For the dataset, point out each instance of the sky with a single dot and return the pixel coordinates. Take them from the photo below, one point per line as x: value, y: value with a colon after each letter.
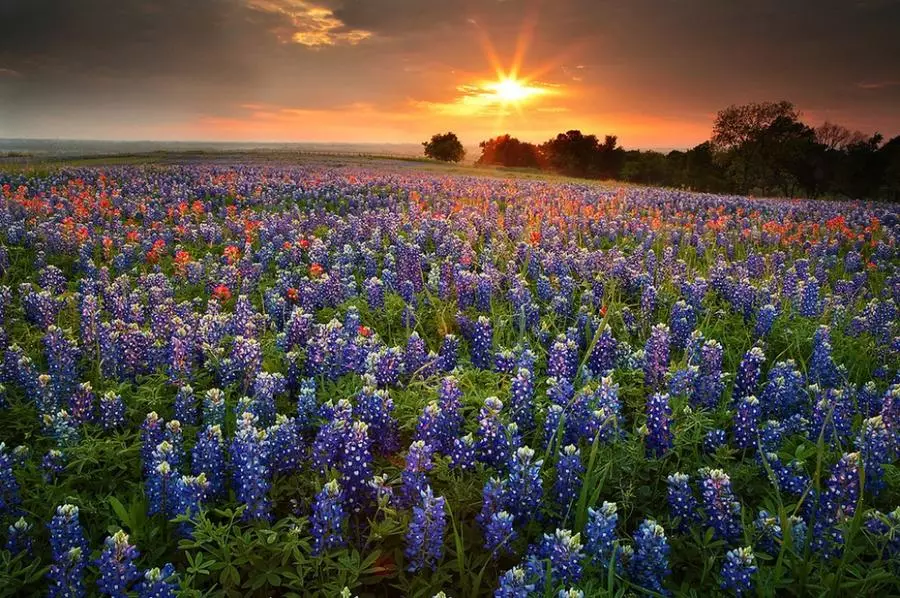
x: 652, y: 72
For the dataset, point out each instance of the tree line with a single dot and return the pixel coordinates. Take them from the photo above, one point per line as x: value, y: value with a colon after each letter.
x: 754, y: 149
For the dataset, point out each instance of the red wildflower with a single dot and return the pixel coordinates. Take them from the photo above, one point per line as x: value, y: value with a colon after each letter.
x: 293, y: 294
x: 222, y: 293
x: 316, y: 270
x: 364, y: 330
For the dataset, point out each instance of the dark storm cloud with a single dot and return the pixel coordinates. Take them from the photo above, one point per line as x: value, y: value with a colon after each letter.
x: 113, y: 60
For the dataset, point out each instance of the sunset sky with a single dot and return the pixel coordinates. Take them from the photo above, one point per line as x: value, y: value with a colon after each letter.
x: 653, y: 72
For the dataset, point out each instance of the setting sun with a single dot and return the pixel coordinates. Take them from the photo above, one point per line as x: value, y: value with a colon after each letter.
x: 509, y: 90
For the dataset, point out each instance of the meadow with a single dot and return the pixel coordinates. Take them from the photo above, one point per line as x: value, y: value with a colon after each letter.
x: 338, y: 378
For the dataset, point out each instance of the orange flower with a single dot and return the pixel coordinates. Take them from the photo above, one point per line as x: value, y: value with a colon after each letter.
x: 316, y: 270
x: 304, y: 243
x: 364, y: 330
x: 535, y: 237
x: 231, y: 253
x: 222, y: 293
x: 293, y: 294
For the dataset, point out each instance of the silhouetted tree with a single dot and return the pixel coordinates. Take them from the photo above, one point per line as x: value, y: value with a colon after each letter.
x: 837, y: 137
x: 576, y: 154
x: 509, y: 151
x: 445, y: 147
x: 740, y: 142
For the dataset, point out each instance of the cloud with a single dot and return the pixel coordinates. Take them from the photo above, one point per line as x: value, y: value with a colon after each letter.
x: 493, y: 98
x: 878, y: 84
x: 9, y: 73
x: 310, y: 24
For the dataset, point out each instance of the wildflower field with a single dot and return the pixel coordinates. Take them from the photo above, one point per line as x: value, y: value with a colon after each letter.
x: 307, y: 380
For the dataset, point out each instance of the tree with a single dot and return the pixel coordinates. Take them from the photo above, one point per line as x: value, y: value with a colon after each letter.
x: 740, y: 143
x: 509, y: 151
x: 576, y: 154
x: 837, y: 137
x: 445, y: 147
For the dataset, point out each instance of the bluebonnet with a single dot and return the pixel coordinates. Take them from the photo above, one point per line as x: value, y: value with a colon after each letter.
x: 112, y: 411
x: 448, y: 355
x: 553, y: 420
x: 307, y: 405
x: 9, y: 487
x: 208, y: 458
x: 656, y: 356
x: 250, y: 470
x: 564, y: 551
x: 53, y: 464
x: 721, y: 508
x: 429, y: 428
x: 425, y: 536
x: 822, y: 369
x: 159, y: 479
x: 69, y: 550
x: 499, y: 533
x: 737, y: 571
x: 18, y: 539
x: 117, y: 569
x: 518, y: 582
x: 481, y: 343
x: 415, y: 475
x: 158, y: 583
x: 328, y: 517
x: 836, y: 504
x: 765, y: 318
x: 649, y: 565
x: 523, y: 491
x: 747, y: 381
x: 569, y: 473
x: 873, y: 444
x: 659, y: 437
x: 832, y: 414
x: 783, y: 393
x: 746, y: 422
x: 328, y: 445
x: 492, y: 500
x: 600, y: 533
x: 356, y: 467
x: 188, y: 496
x: 462, y: 455
x: 81, y: 403
x: 62, y: 427
x: 214, y: 407
x: 522, y: 399
x: 492, y: 446
x: 714, y: 439
x: 286, y: 447
x: 682, y: 504
x: 681, y: 323
x: 602, y: 357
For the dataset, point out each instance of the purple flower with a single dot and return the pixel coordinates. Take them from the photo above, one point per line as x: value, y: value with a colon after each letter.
x: 356, y: 467
x: 721, y: 508
x: 492, y: 446
x: 600, y: 533
x: 523, y: 491
x: 208, y: 458
x: 564, y: 551
x: 425, y: 536
x: 481, y: 343
x: 656, y: 356
x: 499, y: 533
x: 682, y: 504
x: 328, y: 517
x: 659, y: 437
x: 746, y: 422
x: 19, y: 538
x: 116, y: 564
x: 747, y: 380
x: 569, y: 472
x: 649, y: 565
x: 738, y: 570
x: 250, y: 469
x: 158, y: 583
x: 112, y: 411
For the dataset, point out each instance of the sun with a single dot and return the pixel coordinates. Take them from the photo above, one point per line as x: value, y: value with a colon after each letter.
x: 508, y: 90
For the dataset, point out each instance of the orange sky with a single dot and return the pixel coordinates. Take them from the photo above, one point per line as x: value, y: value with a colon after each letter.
x: 653, y: 73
